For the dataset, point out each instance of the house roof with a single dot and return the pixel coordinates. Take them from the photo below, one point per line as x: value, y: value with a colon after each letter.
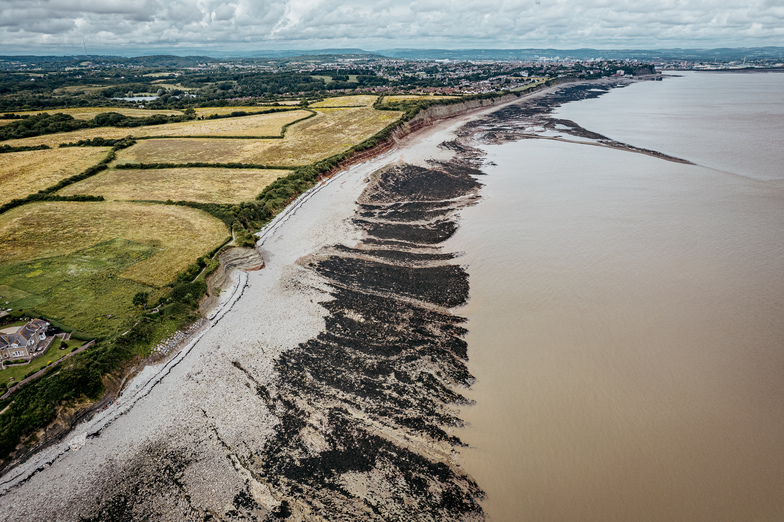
x: 27, y: 332
x: 8, y: 339
x: 39, y: 323
x: 24, y: 334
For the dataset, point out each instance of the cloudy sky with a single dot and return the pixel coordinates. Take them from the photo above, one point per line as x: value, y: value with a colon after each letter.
x: 188, y: 26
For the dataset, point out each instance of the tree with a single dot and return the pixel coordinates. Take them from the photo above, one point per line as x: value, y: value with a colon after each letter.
x: 140, y: 299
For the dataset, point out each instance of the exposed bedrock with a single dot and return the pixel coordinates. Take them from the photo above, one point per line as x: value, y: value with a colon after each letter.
x: 533, y: 119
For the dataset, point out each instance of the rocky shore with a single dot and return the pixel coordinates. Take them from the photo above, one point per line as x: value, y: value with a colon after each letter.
x: 367, y: 405
x: 534, y: 119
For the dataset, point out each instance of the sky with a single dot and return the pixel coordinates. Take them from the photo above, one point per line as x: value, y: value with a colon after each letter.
x: 65, y: 27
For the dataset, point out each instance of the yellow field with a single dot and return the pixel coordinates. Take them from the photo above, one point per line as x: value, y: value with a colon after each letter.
x: 197, y: 184
x: 331, y: 131
x: 255, y: 125
x: 54, y: 140
x: 23, y: 173
x: 6, y: 122
x: 194, y: 150
x: 360, y: 100
x: 88, y: 113
x: 208, y: 111
x: 59, y: 228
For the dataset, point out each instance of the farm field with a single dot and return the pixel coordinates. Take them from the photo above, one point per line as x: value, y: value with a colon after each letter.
x: 88, y: 113
x: 330, y: 132
x: 23, y: 173
x: 85, y: 261
x: 222, y: 111
x: 360, y: 100
x: 198, y: 150
x: 254, y: 125
x: 54, y: 140
x: 178, y: 235
x: 203, y: 185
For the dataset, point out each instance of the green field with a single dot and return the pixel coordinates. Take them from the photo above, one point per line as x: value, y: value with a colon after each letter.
x: 80, y: 289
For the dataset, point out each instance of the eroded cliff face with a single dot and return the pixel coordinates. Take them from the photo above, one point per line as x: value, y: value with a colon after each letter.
x: 234, y: 258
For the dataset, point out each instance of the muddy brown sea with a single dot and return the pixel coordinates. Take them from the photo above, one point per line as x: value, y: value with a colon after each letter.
x: 626, y: 313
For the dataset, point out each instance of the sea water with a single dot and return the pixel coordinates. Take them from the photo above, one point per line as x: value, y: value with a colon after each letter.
x: 626, y: 319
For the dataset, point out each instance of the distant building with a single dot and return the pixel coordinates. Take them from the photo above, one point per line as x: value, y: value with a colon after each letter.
x: 25, y: 341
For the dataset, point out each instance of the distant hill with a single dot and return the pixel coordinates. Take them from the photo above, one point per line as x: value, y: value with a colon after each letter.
x: 722, y: 54
x: 164, y: 60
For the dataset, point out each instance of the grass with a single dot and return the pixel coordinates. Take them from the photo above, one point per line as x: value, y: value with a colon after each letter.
x: 203, y: 185
x: 184, y: 150
x: 164, y: 85
x: 255, y: 125
x: 222, y: 111
x: 82, y: 288
x: 54, y: 353
x: 23, y: 173
x: 178, y: 235
x: 330, y: 132
x: 88, y: 113
x: 86, y: 89
x: 6, y: 122
x: 10, y: 297
x: 360, y: 100
x: 537, y: 82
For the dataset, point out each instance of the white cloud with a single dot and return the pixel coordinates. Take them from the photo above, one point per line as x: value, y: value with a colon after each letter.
x: 45, y: 25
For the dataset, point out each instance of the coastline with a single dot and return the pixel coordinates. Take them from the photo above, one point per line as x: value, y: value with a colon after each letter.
x: 286, y: 302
